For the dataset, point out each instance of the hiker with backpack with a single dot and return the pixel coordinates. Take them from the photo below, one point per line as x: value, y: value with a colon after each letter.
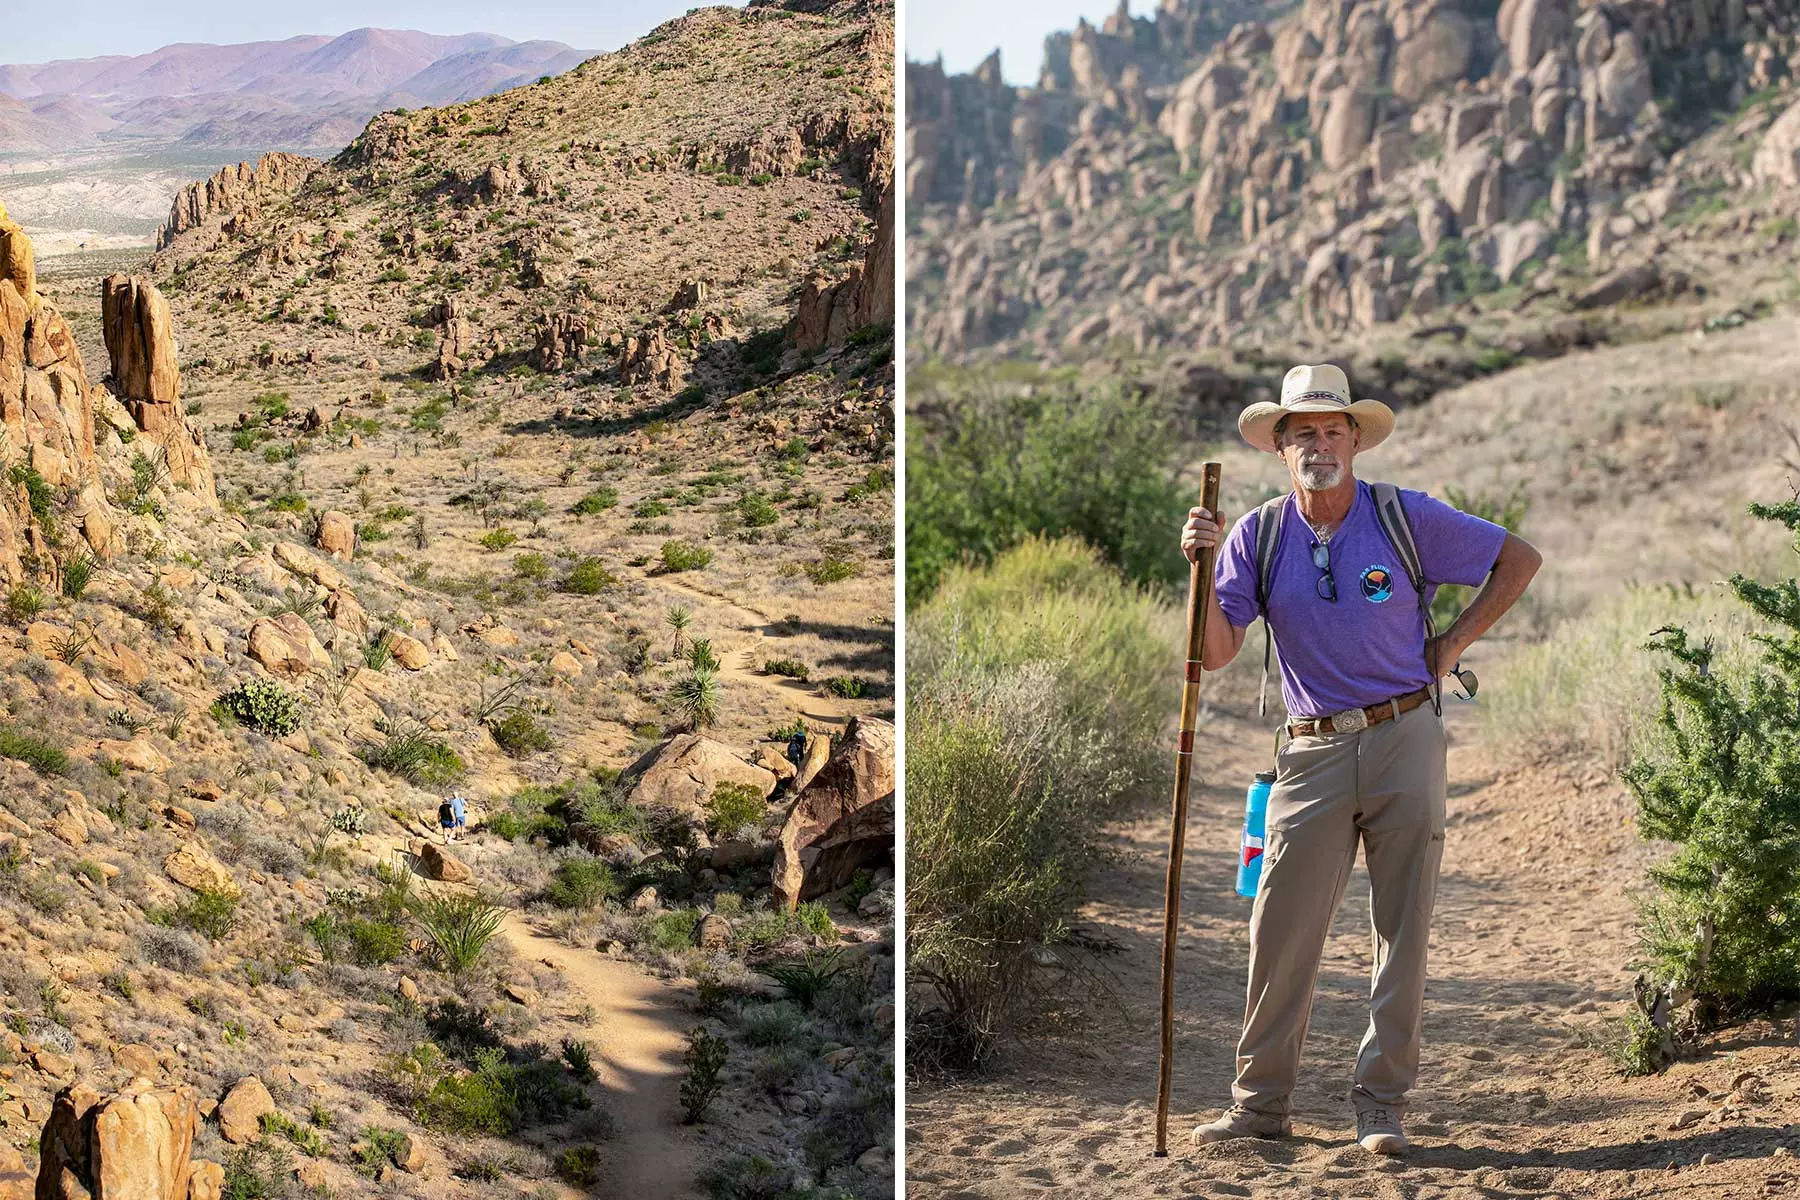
x: 1343, y: 572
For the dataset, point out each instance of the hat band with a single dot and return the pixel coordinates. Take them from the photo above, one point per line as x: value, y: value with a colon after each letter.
x: 1341, y: 401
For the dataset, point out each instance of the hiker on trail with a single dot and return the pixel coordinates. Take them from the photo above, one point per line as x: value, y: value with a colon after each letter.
x: 447, y: 820
x: 1363, y: 757
x: 459, y: 810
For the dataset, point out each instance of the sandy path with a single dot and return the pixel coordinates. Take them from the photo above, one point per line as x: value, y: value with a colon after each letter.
x: 640, y: 1035
x: 1532, y: 929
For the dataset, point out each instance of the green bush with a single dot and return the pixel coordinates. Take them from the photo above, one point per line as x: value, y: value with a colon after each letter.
x: 579, y: 1165
x: 832, y: 568
x: 757, y: 510
x: 735, y: 807
x: 849, y: 687
x: 519, y: 735
x: 264, y: 706
x: 24, y: 603
x: 498, y: 539
x: 1720, y: 929
x: 36, y: 753
x: 1035, y: 693
x: 792, y: 668
x: 258, y: 1171
x: 581, y: 881
x: 589, y: 577
x: 596, y: 501
x: 705, y: 1061
x: 681, y: 555
x: 77, y: 572
x: 695, y: 697
x: 413, y: 752
x: 212, y: 914
x: 1102, y: 466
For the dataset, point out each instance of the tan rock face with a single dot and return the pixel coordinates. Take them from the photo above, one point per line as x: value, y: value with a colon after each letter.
x: 206, y: 1181
x: 242, y: 1110
x: 442, y: 865
x: 336, y: 535
x: 843, y: 820
x: 410, y: 652
x: 235, y: 192
x: 133, y: 1144
x: 1778, y: 157
x: 683, y: 771
x: 140, y: 340
x: 287, y: 646
x: 193, y: 866
x: 135, y: 755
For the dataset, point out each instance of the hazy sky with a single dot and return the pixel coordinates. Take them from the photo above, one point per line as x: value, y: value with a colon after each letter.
x: 89, y: 28
x: 966, y: 31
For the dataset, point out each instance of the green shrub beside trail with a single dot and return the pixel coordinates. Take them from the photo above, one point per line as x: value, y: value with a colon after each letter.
x: 1037, y: 690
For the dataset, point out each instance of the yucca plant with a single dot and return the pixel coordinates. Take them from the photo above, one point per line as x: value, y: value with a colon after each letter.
x: 678, y: 618
x: 459, y: 925
x: 804, y: 980
x: 700, y: 654
x: 695, y: 697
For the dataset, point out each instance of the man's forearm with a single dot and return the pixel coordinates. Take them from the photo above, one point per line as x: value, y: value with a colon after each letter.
x: 1513, y: 571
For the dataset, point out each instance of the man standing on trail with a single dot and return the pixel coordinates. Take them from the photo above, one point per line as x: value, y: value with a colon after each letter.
x: 1364, y: 756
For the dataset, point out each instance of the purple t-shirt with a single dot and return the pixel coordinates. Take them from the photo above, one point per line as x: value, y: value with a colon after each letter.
x: 1370, y: 643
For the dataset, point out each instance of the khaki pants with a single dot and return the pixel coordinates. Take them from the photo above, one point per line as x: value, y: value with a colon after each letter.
x: 1385, y: 787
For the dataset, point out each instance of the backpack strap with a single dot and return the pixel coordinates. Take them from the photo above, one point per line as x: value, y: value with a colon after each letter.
x: 1392, y: 515
x: 1269, y: 519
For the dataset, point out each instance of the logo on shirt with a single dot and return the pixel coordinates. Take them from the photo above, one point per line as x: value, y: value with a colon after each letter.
x: 1377, y: 583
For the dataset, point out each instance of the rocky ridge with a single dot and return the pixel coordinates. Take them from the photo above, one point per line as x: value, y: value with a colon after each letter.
x: 1349, y: 167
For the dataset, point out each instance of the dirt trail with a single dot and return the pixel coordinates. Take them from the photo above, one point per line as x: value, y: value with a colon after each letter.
x: 640, y: 1033
x: 1532, y: 928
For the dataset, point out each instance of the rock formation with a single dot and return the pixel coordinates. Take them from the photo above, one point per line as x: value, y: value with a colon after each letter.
x: 235, y: 193
x: 136, y: 1143
x: 682, y: 772
x: 560, y: 337
x: 842, y: 820
x: 141, y: 343
x: 650, y: 357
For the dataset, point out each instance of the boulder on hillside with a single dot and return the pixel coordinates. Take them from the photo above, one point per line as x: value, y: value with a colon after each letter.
x: 818, y: 752
x: 242, y: 1110
x: 135, y: 1143
x: 17, y: 1182
x: 443, y: 866
x: 287, y: 646
x: 682, y: 772
x: 843, y: 820
x: 1778, y: 156
x: 193, y: 866
x: 336, y: 535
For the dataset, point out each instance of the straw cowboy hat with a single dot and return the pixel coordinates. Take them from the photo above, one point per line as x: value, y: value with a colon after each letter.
x: 1320, y: 389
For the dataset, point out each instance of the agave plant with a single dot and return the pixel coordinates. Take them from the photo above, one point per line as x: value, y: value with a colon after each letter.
x: 695, y: 697
x: 460, y: 925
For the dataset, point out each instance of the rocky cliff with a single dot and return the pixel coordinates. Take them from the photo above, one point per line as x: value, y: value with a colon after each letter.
x: 1173, y: 182
x: 230, y: 200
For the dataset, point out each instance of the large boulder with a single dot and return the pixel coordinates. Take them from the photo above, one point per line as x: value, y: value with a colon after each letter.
x: 1433, y: 53
x: 193, y: 866
x: 683, y: 771
x: 1349, y: 123
x: 336, y: 535
x: 140, y: 340
x: 287, y: 646
x: 443, y: 866
x: 242, y: 1110
x: 1778, y: 157
x: 135, y: 1144
x: 843, y: 820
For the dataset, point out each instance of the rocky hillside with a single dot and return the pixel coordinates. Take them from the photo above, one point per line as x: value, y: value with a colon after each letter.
x: 487, y: 459
x: 1445, y: 183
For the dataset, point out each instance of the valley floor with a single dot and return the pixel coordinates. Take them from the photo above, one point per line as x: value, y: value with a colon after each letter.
x: 1515, y: 1099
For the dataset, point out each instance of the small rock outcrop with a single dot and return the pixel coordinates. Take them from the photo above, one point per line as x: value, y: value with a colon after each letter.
x: 560, y: 337
x: 650, y: 357
x: 140, y: 340
x: 235, y: 192
x: 136, y: 1143
x: 843, y: 820
x: 683, y: 771
x: 242, y: 1110
x: 443, y: 866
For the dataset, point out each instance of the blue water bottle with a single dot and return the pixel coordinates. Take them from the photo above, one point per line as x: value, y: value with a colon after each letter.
x: 1256, y: 812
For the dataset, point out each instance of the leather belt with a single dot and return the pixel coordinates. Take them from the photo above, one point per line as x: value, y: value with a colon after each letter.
x: 1352, y: 720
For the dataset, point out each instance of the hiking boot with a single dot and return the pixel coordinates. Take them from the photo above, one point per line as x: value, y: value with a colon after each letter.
x: 1378, y: 1132
x: 1238, y: 1122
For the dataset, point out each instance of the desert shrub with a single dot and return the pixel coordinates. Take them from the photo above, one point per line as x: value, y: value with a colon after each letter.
x: 735, y: 807
x: 413, y: 752
x: 211, y: 914
x: 36, y: 753
x: 498, y: 539
x: 1720, y: 927
x: 850, y: 687
x: 531, y: 567
x: 1033, y: 703
x: 775, y: 1024
x: 303, y: 1136
x: 24, y: 603
x: 695, y: 697
x: 700, y: 655
x: 171, y: 948
x: 519, y: 734
x: 581, y: 881
x: 77, y: 573
x: 589, y: 577
x: 673, y: 930
x: 805, y: 979
x: 680, y: 555
x: 377, y: 1149
x: 579, y: 1165
x: 498, y: 1096
x: 580, y: 1058
x: 380, y: 651
x: 792, y: 668
x: 832, y: 568
x: 459, y: 926
x: 757, y: 510
x: 815, y: 919
x: 596, y: 501
x: 264, y: 705
x: 1098, y: 465
x: 705, y: 1061
x: 257, y: 1171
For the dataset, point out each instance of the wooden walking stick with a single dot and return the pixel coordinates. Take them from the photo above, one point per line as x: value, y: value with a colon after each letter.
x: 1200, y: 578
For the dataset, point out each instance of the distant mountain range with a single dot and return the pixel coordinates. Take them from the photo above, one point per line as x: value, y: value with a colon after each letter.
x: 303, y: 93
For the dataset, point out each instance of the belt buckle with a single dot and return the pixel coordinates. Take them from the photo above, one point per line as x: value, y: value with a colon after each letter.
x: 1349, y: 721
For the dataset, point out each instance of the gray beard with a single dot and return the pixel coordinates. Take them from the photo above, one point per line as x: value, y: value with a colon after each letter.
x: 1321, y: 479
